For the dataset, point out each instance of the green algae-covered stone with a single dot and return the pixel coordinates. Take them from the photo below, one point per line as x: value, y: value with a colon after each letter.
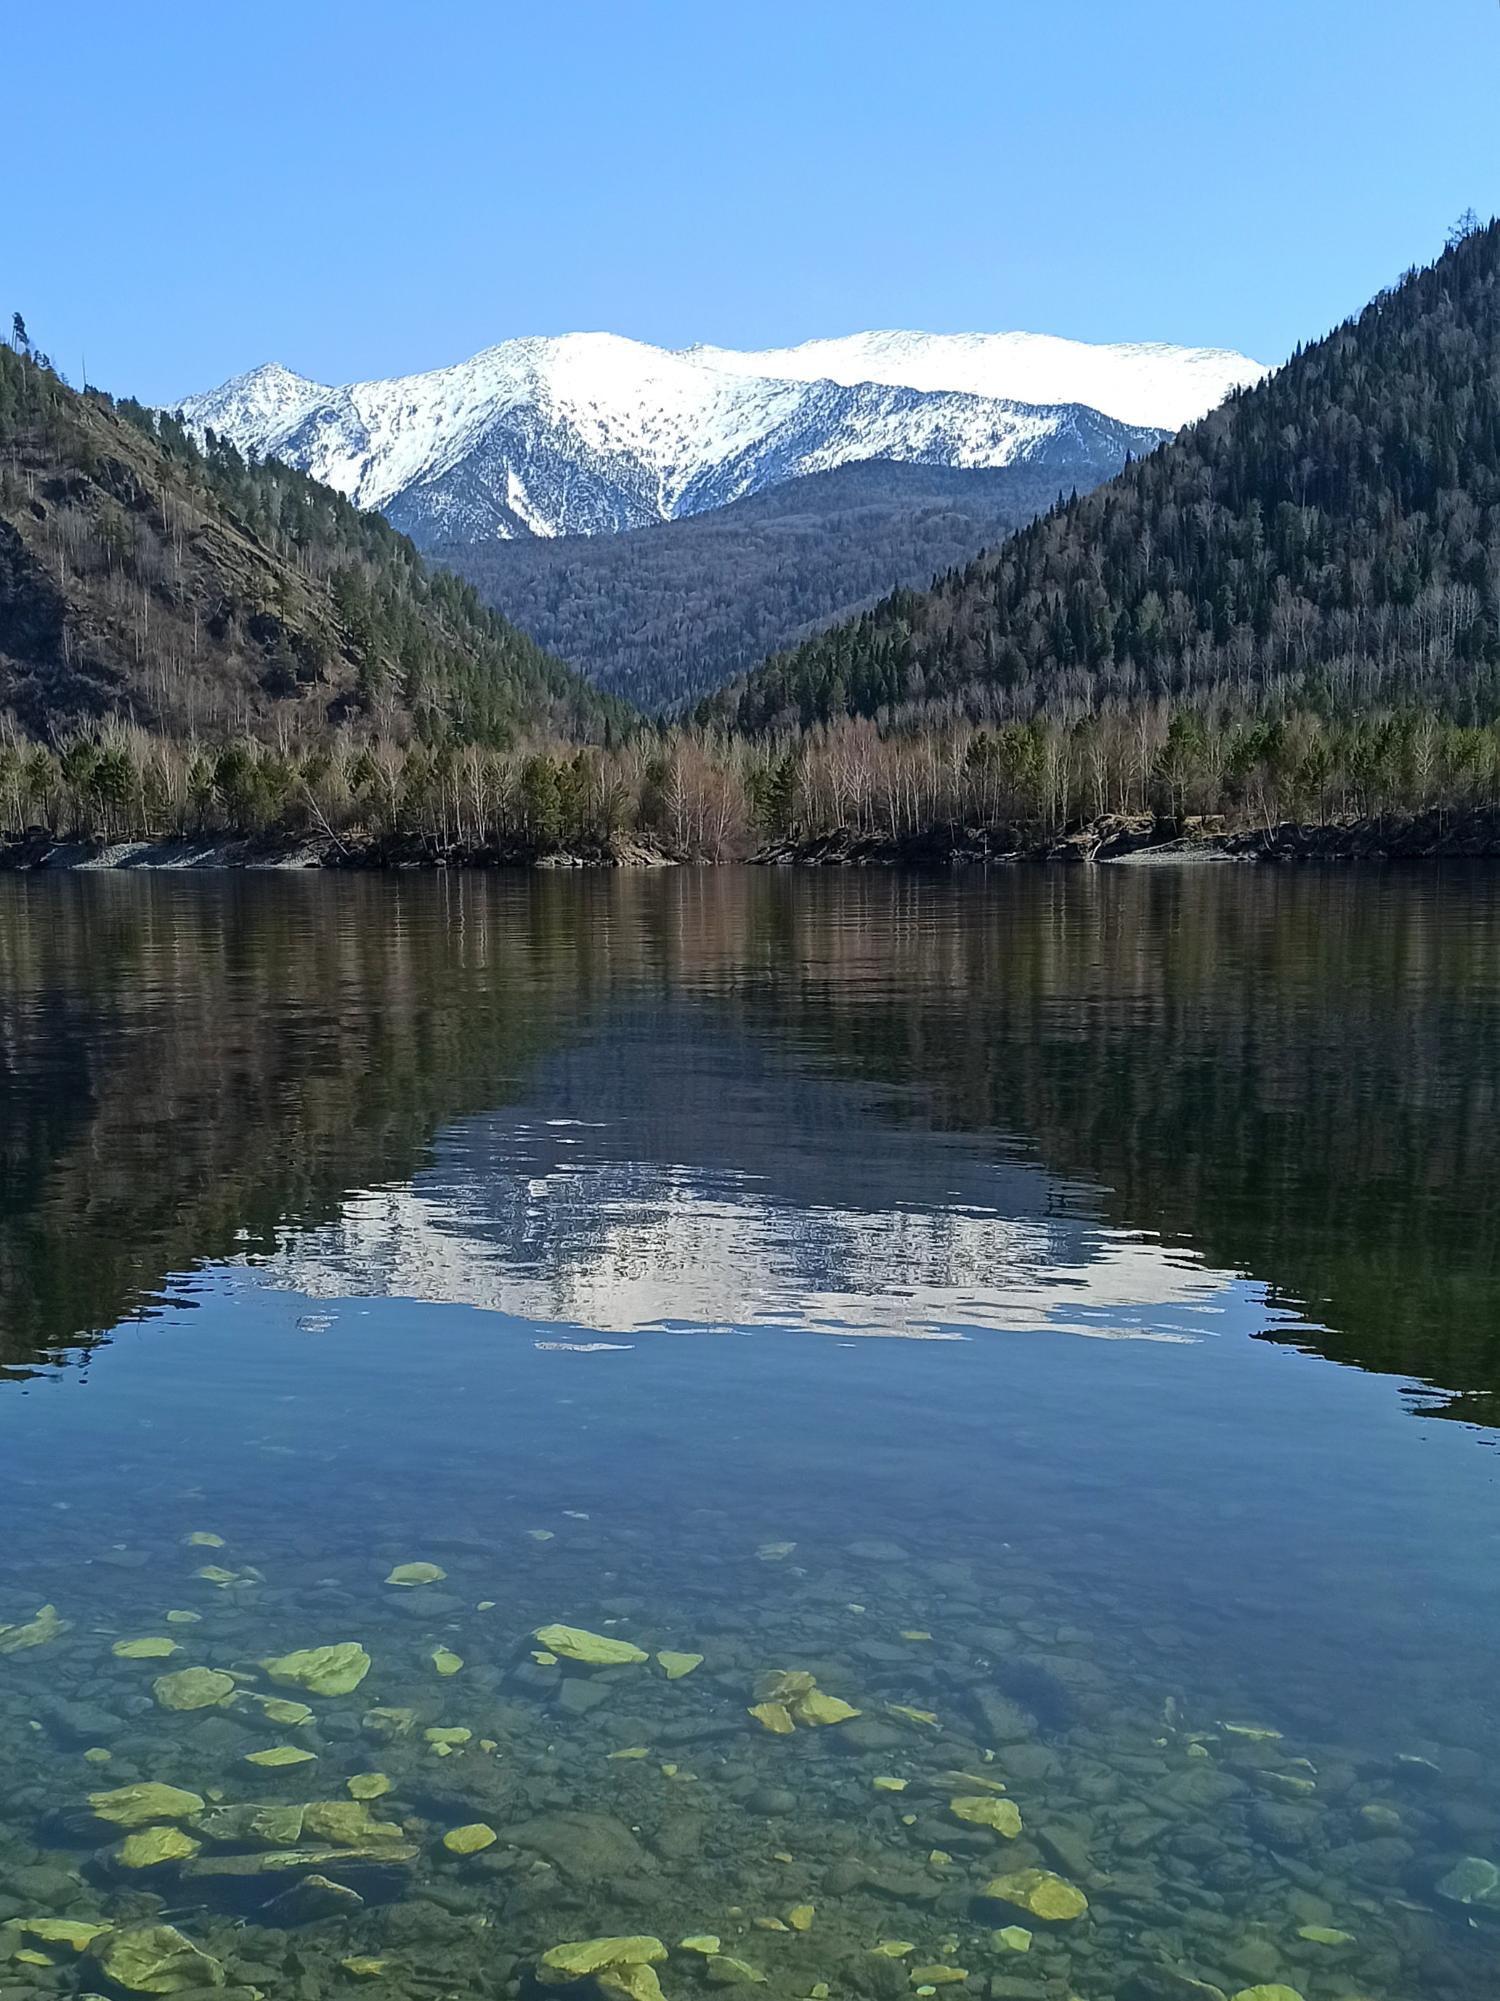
x: 157, y: 1959
x: 368, y: 1786
x: 576, y: 1643
x: 37, y: 1632
x: 724, y: 1970
x: 1039, y: 1892
x: 74, y: 1933
x: 408, y: 1575
x: 334, y: 1670
x: 138, y: 1806
x: 348, y: 1823
x: 636, y: 1982
x: 153, y: 1846
x: 984, y: 1810
x: 818, y: 1710
x: 579, y: 1958
x: 674, y: 1665
x: 1474, y: 1881
x: 193, y: 1688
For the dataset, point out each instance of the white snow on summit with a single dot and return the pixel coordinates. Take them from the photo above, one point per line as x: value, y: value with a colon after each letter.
x: 588, y: 433
x: 1143, y: 382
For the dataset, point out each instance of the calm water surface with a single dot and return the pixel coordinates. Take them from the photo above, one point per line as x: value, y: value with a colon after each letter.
x: 1056, y: 1317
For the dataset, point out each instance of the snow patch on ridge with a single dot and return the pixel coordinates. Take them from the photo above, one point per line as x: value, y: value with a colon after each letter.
x: 1138, y: 382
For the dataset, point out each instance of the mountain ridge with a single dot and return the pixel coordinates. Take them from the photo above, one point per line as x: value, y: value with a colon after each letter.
x: 595, y: 433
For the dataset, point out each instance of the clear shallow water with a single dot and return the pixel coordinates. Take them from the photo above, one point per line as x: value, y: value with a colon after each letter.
x: 1085, y: 1273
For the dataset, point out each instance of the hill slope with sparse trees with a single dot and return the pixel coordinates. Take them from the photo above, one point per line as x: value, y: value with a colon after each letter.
x: 196, y: 593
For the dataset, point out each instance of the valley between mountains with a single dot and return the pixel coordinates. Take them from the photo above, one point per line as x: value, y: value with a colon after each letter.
x: 857, y: 620
x: 665, y: 519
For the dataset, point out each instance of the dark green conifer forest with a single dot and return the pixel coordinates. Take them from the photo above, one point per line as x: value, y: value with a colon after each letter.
x: 1327, y: 540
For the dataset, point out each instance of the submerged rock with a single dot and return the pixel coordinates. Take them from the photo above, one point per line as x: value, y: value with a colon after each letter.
x: 726, y: 1971
x: 1474, y: 1882
x: 784, y: 1685
x: 580, y: 1958
x: 773, y: 1716
x: 1001, y: 1721
x: 1165, y: 1983
x: 409, y: 1575
x: 576, y: 1643
x: 635, y: 1982
x: 37, y: 1632
x: 247, y: 1826
x: 368, y: 1786
x: 276, y: 1709
x: 74, y: 1933
x: 193, y: 1688
x: 593, y: 1848
x: 153, y: 1846
x: 349, y: 1823
x: 581, y: 1693
x: 675, y: 1665
x: 817, y: 1709
x: 332, y: 1670
x: 1039, y: 1892
x: 138, y: 1806
x: 289, y: 1861
x: 985, y: 1810
x: 157, y: 1959
x: 79, y: 1722
x: 388, y: 1724
x: 315, y: 1897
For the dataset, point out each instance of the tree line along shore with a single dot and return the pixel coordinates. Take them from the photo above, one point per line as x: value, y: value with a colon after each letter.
x: 1299, y: 783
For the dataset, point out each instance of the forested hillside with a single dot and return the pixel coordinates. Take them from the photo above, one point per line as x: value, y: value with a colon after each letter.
x: 663, y: 615
x: 198, y: 594
x: 1329, y: 539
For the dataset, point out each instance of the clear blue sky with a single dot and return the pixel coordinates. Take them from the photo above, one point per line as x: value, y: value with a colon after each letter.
x: 368, y: 189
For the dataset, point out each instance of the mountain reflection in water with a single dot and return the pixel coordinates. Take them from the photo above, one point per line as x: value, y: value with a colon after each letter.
x: 875, y: 1102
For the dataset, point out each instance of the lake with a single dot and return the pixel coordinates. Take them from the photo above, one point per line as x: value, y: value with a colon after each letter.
x: 881, y: 1431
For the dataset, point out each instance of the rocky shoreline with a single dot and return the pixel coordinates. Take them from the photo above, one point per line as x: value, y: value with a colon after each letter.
x: 38, y: 851
x: 1439, y: 835
x: 1433, y: 836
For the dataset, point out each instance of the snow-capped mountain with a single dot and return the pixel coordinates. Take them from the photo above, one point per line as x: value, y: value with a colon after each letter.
x: 591, y: 433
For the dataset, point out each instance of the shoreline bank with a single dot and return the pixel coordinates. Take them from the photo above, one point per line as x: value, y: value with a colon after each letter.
x: 1433, y: 836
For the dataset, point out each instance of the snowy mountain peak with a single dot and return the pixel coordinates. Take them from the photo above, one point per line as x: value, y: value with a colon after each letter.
x: 586, y: 433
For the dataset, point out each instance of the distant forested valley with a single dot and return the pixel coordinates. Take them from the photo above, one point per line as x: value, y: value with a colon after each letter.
x: 665, y: 615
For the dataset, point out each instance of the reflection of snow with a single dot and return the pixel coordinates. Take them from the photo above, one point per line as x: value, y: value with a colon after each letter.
x: 626, y: 1254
